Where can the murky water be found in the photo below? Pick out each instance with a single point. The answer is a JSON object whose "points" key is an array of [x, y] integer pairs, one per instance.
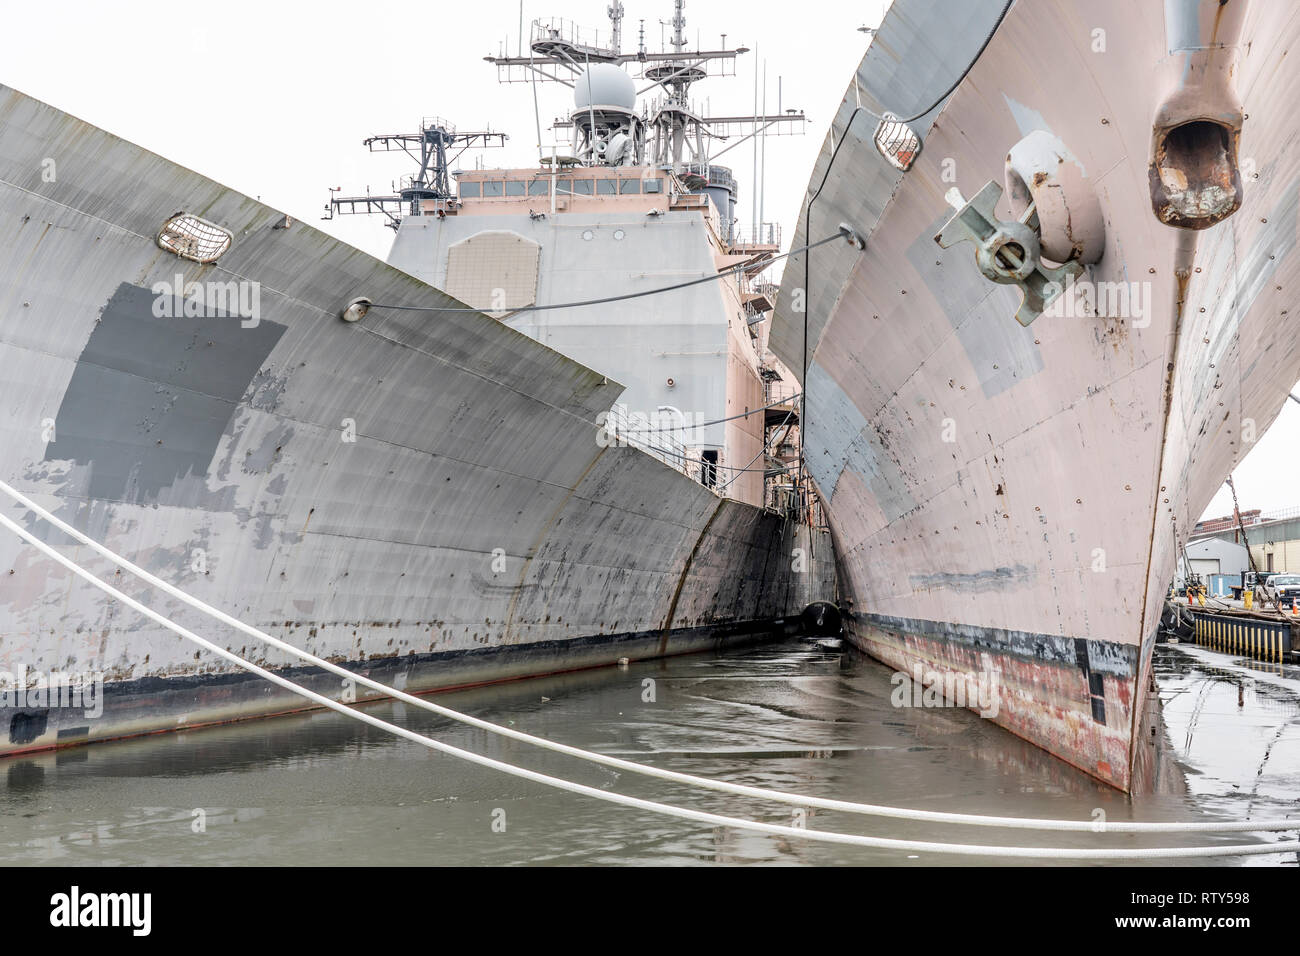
{"points": [[798, 715]]}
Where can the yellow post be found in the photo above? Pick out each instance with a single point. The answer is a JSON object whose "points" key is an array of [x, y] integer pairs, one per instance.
{"points": [[1248, 598], [1200, 596]]}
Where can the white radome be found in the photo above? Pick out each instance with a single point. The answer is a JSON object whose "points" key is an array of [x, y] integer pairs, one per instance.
{"points": [[603, 84]]}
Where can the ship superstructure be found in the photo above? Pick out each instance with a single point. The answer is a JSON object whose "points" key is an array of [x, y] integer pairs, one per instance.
{"points": [[627, 199]]}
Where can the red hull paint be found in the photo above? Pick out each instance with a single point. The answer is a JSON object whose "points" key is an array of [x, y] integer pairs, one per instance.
{"points": [[1044, 703]]}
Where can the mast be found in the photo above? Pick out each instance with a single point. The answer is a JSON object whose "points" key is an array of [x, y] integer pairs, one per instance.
{"points": [[615, 12], [434, 147], [670, 131]]}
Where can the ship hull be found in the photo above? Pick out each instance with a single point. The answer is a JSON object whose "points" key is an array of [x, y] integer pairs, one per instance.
{"points": [[1006, 500], [136, 707], [1073, 696], [427, 496]]}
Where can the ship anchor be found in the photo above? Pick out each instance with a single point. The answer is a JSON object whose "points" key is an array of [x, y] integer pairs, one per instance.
{"points": [[1007, 252], [1057, 216]]}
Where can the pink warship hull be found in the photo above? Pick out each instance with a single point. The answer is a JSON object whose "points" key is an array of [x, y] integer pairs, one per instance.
{"points": [[1007, 500]]}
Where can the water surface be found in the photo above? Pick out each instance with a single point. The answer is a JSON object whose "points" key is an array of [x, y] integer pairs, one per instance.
{"points": [[798, 715]]}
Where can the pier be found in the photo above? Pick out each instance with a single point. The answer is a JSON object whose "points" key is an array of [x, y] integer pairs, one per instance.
{"points": [[1242, 632]]}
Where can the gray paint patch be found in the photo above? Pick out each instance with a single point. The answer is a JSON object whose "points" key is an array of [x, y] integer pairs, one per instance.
{"points": [[260, 459], [1028, 120], [151, 397], [1243, 277], [846, 440], [994, 579], [1273, 245]]}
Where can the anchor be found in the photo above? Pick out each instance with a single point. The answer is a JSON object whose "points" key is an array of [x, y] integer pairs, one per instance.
{"points": [[1007, 252]]}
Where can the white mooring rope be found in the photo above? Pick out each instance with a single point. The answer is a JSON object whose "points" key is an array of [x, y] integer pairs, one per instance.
{"points": [[777, 796], [666, 809]]}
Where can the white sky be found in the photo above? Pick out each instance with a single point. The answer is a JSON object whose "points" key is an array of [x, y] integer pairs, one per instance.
{"points": [[274, 98]]}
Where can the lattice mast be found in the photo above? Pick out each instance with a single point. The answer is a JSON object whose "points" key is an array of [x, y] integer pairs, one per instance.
{"points": [[669, 131], [435, 147]]}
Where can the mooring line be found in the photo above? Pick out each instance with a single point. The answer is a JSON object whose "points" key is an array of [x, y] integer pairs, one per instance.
{"points": [[777, 796], [682, 813]]}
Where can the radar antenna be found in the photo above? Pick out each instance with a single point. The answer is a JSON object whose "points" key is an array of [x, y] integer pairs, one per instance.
{"points": [[427, 191], [676, 133]]}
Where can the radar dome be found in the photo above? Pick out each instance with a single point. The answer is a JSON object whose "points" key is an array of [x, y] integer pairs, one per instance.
{"points": [[603, 84]]}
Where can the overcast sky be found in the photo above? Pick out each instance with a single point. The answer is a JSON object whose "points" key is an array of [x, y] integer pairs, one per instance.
{"points": [[273, 99]]}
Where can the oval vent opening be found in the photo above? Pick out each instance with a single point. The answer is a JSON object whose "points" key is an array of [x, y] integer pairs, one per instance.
{"points": [[193, 238]]}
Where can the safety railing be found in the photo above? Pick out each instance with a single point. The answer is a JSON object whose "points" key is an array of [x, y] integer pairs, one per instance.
{"points": [[654, 433], [762, 234]]}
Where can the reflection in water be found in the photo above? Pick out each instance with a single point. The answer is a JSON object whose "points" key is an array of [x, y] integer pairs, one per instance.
{"points": [[810, 717]]}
